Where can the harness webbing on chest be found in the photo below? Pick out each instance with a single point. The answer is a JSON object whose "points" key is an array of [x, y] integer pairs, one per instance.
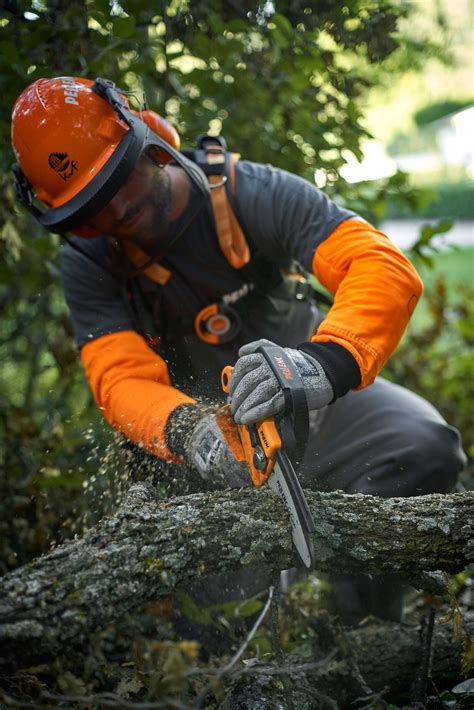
{"points": [[144, 265], [211, 158], [220, 322], [231, 238]]}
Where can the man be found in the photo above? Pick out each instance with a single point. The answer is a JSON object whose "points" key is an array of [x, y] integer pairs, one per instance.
{"points": [[162, 298]]}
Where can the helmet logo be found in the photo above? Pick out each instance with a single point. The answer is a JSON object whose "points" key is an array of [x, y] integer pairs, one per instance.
{"points": [[62, 165]]}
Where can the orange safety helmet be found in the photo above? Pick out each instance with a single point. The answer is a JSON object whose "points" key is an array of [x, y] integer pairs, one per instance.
{"points": [[77, 141]]}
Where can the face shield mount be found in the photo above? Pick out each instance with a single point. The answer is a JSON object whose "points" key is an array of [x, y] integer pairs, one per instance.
{"points": [[102, 188]]}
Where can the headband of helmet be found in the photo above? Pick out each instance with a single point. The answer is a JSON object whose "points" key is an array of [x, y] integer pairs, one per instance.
{"points": [[103, 186]]}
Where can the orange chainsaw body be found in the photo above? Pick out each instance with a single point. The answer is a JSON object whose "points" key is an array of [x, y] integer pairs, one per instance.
{"points": [[260, 442]]}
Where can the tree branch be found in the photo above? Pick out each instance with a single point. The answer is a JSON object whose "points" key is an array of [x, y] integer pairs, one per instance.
{"points": [[150, 547]]}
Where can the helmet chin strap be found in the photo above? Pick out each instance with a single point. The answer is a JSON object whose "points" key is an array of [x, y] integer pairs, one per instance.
{"points": [[131, 273], [25, 192]]}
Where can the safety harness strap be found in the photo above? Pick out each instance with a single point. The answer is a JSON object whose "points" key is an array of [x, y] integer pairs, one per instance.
{"points": [[231, 238], [144, 265], [295, 431], [219, 323], [232, 241]]}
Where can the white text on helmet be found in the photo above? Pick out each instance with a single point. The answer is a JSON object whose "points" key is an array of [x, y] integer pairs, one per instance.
{"points": [[70, 90]]}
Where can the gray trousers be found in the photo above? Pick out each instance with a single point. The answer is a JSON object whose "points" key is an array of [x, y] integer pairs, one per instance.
{"points": [[384, 441]]}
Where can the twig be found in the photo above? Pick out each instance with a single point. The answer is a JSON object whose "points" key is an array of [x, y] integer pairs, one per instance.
{"points": [[260, 670], [373, 701], [349, 650], [265, 670], [360, 678], [289, 670], [275, 631], [224, 671], [275, 624], [280, 669]]}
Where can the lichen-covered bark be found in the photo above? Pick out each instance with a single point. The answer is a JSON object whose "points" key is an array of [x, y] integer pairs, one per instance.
{"points": [[380, 656], [388, 655], [150, 547]]}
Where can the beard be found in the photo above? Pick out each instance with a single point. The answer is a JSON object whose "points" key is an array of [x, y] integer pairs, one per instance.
{"points": [[147, 220], [161, 200]]}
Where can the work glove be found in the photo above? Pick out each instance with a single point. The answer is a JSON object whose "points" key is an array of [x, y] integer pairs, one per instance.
{"points": [[214, 448], [255, 392]]}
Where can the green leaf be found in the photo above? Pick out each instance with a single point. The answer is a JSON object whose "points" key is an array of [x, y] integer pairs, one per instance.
{"points": [[102, 6], [284, 25], [9, 51], [71, 684], [237, 26], [444, 225], [428, 231], [238, 609], [192, 611], [123, 27], [99, 17]]}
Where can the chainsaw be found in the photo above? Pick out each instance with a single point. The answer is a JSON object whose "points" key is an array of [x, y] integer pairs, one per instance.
{"points": [[267, 446]]}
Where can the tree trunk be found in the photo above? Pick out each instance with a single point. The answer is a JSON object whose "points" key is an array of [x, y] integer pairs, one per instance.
{"points": [[152, 546]]}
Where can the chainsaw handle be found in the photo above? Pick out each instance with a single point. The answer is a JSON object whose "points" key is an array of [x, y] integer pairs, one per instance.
{"points": [[260, 441], [295, 424]]}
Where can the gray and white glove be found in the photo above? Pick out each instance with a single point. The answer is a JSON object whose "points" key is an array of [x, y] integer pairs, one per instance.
{"points": [[214, 448], [255, 392]]}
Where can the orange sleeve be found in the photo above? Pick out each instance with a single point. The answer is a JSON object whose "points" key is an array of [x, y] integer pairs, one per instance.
{"points": [[375, 292], [132, 388]]}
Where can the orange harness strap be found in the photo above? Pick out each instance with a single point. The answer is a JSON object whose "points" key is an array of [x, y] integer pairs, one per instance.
{"points": [[139, 258], [231, 238]]}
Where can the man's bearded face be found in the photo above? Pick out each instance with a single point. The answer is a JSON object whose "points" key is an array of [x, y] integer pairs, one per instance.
{"points": [[140, 209]]}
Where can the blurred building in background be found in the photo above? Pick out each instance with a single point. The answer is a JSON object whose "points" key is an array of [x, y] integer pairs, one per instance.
{"points": [[423, 124]]}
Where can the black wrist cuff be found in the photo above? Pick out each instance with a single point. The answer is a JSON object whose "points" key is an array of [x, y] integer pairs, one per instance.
{"points": [[340, 366], [180, 426]]}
